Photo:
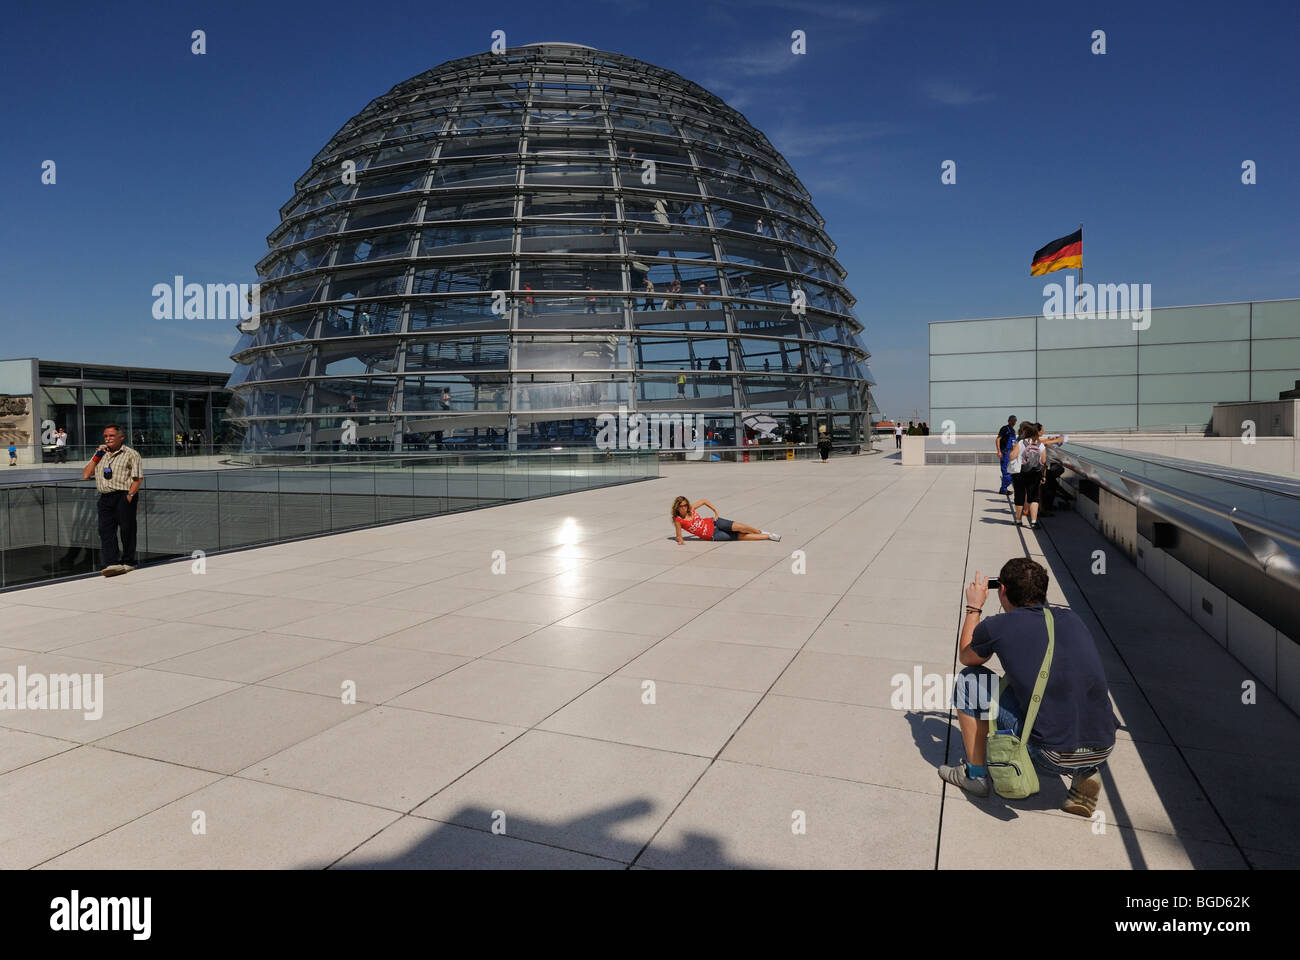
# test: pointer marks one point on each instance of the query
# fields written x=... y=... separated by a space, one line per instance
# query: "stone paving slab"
x=515 y=700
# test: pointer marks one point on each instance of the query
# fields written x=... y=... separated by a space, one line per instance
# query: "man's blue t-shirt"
x=1075 y=711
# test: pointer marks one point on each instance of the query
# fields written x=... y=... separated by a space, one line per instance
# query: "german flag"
x=1063 y=254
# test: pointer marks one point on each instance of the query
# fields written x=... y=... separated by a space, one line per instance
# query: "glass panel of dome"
x=356 y=395
x=552 y=142
x=375 y=184
x=452 y=208
x=753 y=252
x=280 y=364
x=578 y=238
x=285 y=329
x=470 y=123
x=667 y=180
x=582 y=312
x=544 y=275
x=658 y=242
x=361 y=355
x=401 y=153
x=485 y=145
x=468 y=239
x=444 y=392
x=542 y=392
x=653 y=389
x=482 y=173
x=573 y=205
x=673 y=320
x=570 y=353
x=304 y=258
x=569 y=173
x=452 y=312
x=717 y=161
x=382 y=246
x=346 y=286
x=360 y=319
x=291 y=293
x=462 y=278
x=661 y=210
x=448 y=353
x=660 y=151
x=382 y=214
x=733 y=189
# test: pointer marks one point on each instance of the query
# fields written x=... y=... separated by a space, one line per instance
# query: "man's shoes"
x=1081 y=800
x=956 y=775
x=128 y=567
x=113 y=570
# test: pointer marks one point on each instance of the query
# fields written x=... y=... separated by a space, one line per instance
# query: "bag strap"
x=1041 y=683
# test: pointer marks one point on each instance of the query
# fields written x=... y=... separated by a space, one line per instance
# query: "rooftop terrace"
x=515 y=700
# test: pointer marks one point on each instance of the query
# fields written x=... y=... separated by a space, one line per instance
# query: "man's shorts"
x=722 y=530
x=971 y=694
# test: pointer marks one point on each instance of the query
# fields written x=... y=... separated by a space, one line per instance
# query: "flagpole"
x=1080 y=256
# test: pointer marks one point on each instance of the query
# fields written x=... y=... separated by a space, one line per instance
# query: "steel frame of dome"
x=481 y=275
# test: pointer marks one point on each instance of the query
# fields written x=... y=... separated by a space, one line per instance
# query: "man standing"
x=61 y=445
x=1005 y=441
x=118 y=472
x=898 y=435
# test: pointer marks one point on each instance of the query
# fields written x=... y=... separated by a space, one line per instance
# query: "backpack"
x=1031 y=457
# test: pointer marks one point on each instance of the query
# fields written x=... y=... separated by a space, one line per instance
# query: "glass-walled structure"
x=1101 y=374
x=504 y=247
x=164 y=412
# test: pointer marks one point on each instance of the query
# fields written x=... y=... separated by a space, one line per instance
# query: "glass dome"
x=501 y=249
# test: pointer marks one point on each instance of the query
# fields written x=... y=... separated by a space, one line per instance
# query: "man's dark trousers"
x=1005 y=459
x=116 y=513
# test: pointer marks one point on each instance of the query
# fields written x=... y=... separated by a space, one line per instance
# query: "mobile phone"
x=994 y=583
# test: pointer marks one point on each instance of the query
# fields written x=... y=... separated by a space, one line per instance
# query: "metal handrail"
x=1266 y=533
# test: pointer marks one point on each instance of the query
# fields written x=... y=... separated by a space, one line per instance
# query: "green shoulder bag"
x=1013 y=773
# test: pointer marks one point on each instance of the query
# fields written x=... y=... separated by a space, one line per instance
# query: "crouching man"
x=1074 y=732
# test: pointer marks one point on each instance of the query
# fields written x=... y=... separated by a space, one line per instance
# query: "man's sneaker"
x=956 y=775
x=1081 y=800
x=774 y=536
x=113 y=569
x=128 y=567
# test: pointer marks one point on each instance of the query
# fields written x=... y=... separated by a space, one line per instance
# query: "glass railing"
x=160 y=456
x=1253 y=515
x=49 y=528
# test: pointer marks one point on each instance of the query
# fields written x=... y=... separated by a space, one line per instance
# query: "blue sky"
x=170 y=163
